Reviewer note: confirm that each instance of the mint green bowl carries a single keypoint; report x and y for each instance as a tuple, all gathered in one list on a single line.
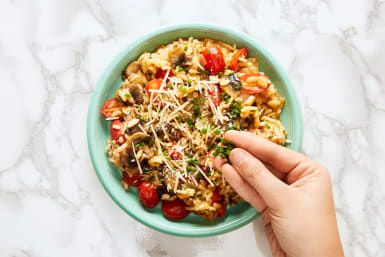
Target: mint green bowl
[(98, 131)]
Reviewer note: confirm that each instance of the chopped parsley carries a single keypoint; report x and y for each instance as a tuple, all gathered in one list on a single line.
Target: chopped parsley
[(169, 85), (190, 123), (197, 103), (223, 149), (235, 109), (204, 131), (179, 68), (190, 169), (139, 145), (185, 48), (127, 95), (217, 132), (225, 97), (191, 161)]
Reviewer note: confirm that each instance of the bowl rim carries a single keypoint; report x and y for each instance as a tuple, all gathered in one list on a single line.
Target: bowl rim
[(91, 121)]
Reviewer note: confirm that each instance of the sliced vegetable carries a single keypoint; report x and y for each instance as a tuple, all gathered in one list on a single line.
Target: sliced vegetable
[(235, 83), (153, 85), (116, 129), (132, 179), (175, 210), (109, 107), (147, 195), (235, 59), (213, 60), (214, 93)]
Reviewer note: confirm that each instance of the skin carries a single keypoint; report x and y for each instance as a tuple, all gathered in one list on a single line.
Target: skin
[(293, 193)]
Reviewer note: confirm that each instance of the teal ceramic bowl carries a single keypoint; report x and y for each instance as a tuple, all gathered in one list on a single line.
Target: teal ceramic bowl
[(98, 131)]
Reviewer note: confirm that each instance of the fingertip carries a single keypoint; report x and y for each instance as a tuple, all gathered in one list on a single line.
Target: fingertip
[(218, 162), (229, 135)]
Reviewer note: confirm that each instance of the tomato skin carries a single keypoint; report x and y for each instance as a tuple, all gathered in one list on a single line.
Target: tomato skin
[(133, 180), (221, 211), (174, 153), (217, 197), (116, 129), (234, 60), (108, 105), (160, 73), (153, 84), (214, 61), (175, 210), (147, 195), (251, 89), (215, 94)]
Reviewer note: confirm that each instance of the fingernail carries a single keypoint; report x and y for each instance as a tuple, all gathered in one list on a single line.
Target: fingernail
[(237, 157)]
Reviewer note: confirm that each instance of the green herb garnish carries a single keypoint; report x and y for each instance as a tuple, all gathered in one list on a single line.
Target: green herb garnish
[(235, 109), (225, 97), (223, 149), (190, 123), (191, 161), (139, 145)]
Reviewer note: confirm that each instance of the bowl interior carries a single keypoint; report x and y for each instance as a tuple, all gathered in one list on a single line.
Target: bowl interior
[(98, 129)]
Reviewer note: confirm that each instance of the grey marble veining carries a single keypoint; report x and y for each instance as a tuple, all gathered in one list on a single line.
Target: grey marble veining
[(51, 54)]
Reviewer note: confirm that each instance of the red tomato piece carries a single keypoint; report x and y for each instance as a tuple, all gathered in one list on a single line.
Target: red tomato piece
[(153, 84), (132, 179), (148, 195), (234, 60), (161, 73), (217, 197), (213, 60), (116, 129), (174, 153), (175, 210), (109, 106), (221, 211), (214, 93), (251, 89)]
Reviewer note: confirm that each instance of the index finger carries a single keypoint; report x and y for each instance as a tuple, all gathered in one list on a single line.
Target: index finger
[(279, 157)]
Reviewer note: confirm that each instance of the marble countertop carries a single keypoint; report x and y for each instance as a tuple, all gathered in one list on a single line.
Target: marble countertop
[(51, 54)]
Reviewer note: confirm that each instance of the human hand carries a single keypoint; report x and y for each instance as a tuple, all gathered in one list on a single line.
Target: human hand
[(293, 193)]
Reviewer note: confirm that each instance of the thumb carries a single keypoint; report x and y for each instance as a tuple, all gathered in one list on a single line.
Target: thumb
[(270, 188)]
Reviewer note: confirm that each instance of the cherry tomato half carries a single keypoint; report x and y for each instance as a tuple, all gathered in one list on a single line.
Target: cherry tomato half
[(213, 60), (175, 210), (116, 129), (109, 106), (147, 195), (234, 60), (252, 88), (214, 93), (132, 179), (153, 84)]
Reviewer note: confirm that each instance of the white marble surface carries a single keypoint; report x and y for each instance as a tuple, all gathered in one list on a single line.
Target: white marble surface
[(51, 54)]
